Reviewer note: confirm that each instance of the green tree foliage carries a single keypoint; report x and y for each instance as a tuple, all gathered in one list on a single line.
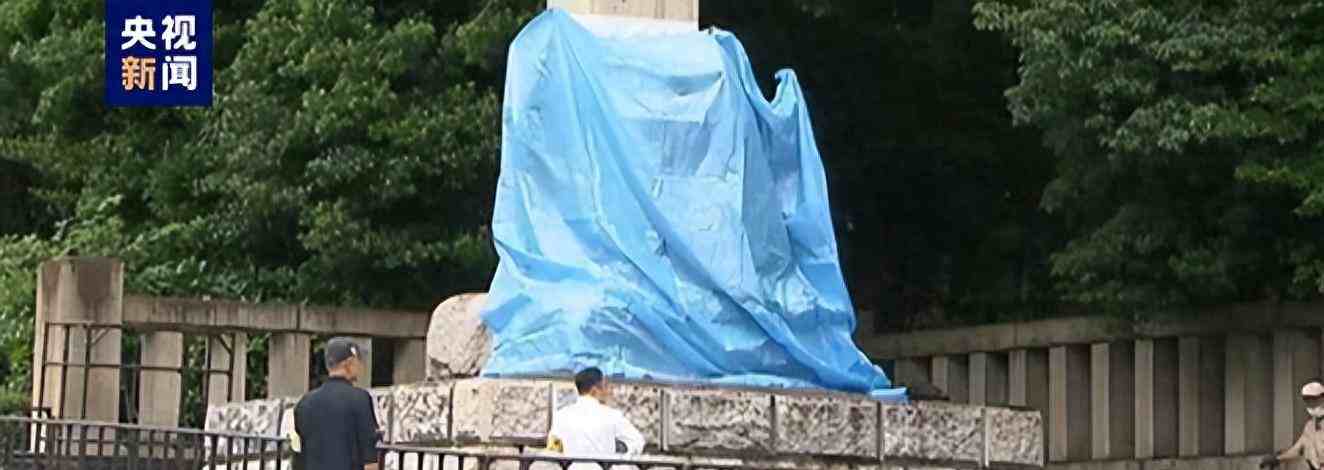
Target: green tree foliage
[(1189, 145), (351, 153), (935, 193), (348, 158)]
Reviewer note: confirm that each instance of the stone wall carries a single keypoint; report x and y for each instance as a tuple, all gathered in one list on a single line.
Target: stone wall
[(752, 425)]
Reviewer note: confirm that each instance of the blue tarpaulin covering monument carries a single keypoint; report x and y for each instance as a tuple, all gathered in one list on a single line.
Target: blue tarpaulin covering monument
[(657, 217)]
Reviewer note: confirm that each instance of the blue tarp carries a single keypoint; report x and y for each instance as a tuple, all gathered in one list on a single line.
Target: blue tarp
[(657, 217)]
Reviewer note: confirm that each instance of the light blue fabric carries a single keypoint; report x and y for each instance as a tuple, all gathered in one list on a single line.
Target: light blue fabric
[(658, 218)]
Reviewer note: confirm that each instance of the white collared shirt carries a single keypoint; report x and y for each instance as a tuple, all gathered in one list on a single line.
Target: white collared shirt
[(589, 428)]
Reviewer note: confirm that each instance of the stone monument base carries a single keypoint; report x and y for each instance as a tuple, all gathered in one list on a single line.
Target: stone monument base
[(785, 429)]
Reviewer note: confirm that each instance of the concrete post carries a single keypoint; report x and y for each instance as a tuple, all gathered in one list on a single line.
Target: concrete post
[(1144, 402), (410, 361), (1057, 404), (1234, 396), (1188, 387), (1259, 395), (997, 380), (287, 364), (1016, 379), (1099, 396), (1285, 391), (978, 378), (1165, 398), (1112, 403), (220, 388), (1212, 396), (1070, 403), (158, 395), (951, 375), (79, 290)]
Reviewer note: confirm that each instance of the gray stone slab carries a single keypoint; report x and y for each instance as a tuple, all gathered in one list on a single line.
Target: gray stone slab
[(421, 413), (641, 403), (827, 425), (719, 420), (487, 410), (381, 405), (458, 343), (250, 417), (1015, 436), (933, 431)]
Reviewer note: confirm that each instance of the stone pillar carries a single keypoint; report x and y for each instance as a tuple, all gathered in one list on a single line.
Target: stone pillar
[(1247, 423), (365, 375), (410, 361), (1112, 404), (978, 378), (950, 374), (287, 364), (988, 379), (1285, 390), (158, 395), (1212, 393), (1017, 381), (1258, 412), (1069, 403), (1144, 402), (220, 388), (1165, 398), (997, 380), (87, 290), (1188, 387), (1234, 397)]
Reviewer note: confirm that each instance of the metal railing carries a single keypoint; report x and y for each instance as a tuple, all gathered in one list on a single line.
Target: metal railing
[(27, 443), (394, 457)]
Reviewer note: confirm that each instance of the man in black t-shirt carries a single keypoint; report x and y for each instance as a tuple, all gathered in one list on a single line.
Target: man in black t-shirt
[(336, 425)]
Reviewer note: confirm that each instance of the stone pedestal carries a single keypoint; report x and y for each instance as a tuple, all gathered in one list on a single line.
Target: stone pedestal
[(798, 428)]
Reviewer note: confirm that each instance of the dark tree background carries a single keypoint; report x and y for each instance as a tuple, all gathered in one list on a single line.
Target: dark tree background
[(1069, 157)]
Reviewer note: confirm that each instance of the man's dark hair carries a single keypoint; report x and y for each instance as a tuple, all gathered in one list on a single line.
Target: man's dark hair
[(588, 378)]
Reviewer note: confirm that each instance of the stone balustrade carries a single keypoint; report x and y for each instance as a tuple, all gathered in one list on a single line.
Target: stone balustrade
[(1118, 394), (816, 429)]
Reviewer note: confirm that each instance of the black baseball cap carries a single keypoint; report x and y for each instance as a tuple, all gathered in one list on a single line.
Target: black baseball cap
[(340, 348)]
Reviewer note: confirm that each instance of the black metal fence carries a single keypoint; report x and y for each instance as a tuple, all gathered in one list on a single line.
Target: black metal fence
[(29, 443)]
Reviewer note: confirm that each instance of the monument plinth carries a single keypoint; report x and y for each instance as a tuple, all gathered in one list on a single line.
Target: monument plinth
[(787, 429)]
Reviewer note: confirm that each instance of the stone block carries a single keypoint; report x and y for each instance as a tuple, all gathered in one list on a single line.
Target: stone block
[(933, 431), (250, 417), (827, 425), (1015, 436), (641, 403), (719, 420), (458, 344), (382, 403), (422, 413), (487, 410)]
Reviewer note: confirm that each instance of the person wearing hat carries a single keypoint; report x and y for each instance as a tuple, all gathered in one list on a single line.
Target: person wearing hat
[(336, 424), (1310, 445)]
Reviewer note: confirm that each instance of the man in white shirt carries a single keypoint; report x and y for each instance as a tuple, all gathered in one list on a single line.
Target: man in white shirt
[(589, 427)]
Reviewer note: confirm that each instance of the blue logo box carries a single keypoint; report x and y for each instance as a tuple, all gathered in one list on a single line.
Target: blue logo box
[(158, 52)]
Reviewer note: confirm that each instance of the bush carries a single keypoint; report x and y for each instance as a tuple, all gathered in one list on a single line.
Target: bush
[(14, 403)]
